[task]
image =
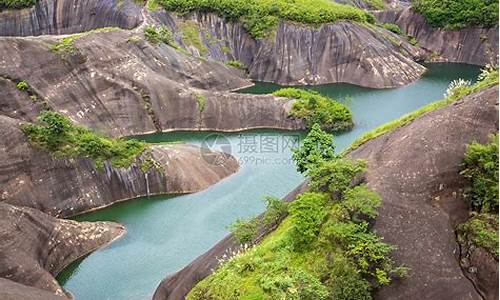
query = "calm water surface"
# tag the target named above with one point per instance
(165, 233)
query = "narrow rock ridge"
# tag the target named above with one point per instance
(69, 16)
(35, 247)
(421, 191)
(474, 45)
(346, 52)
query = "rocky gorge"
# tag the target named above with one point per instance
(90, 61)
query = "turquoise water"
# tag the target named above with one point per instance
(165, 233)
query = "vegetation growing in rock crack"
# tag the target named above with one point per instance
(324, 249)
(56, 134)
(22, 85)
(260, 17)
(314, 108)
(161, 34)
(456, 14)
(66, 45)
(191, 36)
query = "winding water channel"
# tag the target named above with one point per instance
(165, 233)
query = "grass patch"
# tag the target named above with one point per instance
(56, 134)
(393, 27)
(191, 36)
(236, 64)
(457, 14)
(261, 17)
(314, 108)
(486, 81)
(161, 34)
(66, 46)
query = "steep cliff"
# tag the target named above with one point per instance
(361, 54)
(35, 247)
(416, 171)
(69, 16)
(473, 45)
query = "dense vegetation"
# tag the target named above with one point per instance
(456, 14)
(259, 17)
(56, 133)
(323, 250)
(16, 4)
(481, 168)
(488, 78)
(314, 108)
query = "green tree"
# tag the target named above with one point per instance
(335, 176)
(316, 147)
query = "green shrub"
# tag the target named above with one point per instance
(236, 64)
(55, 133)
(162, 34)
(482, 230)
(22, 85)
(335, 176)
(317, 109)
(245, 230)
(344, 280)
(361, 203)
(393, 27)
(276, 209)
(481, 168)
(16, 4)
(456, 14)
(201, 101)
(316, 147)
(260, 17)
(308, 212)
(191, 36)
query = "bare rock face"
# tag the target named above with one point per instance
(35, 247)
(416, 169)
(10, 290)
(69, 16)
(342, 52)
(475, 45)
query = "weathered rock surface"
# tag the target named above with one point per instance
(342, 52)
(69, 16)
(178, 285)
(35, 247)
(121, 86)
(478, 46)
(10, 290)
(64, 187)
(416, 171)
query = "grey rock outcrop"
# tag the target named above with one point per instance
(10, 290)
(35, 247)
(347, 52)
(69, 16)
(474, 45)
